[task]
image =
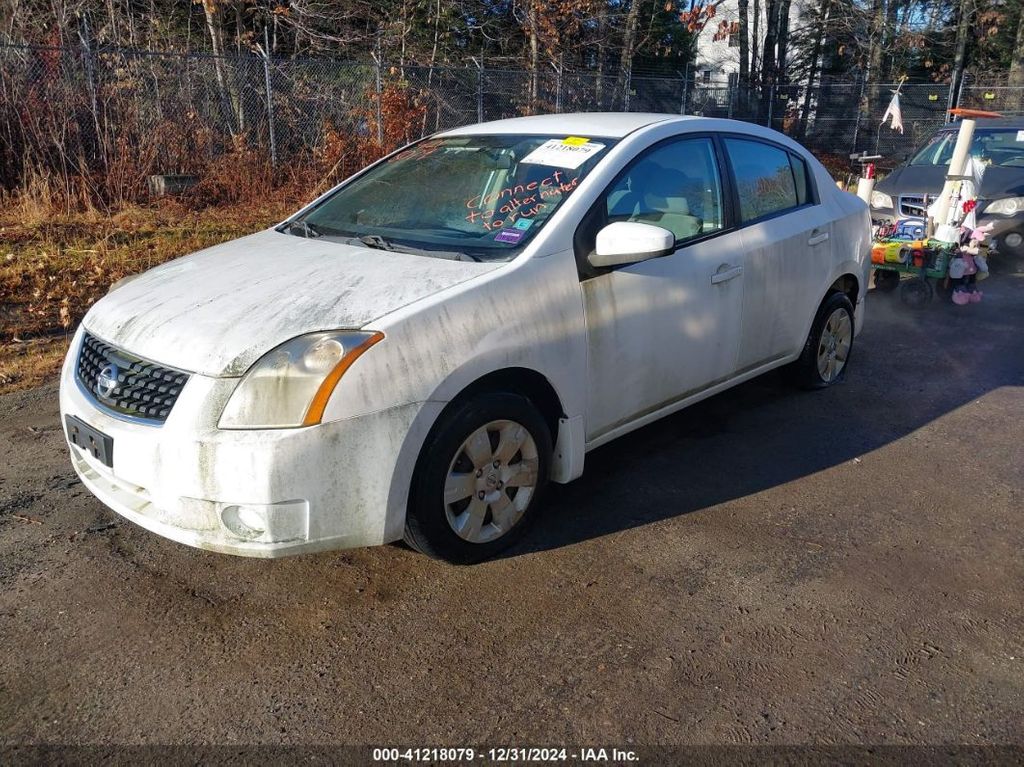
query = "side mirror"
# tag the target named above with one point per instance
(629, 242)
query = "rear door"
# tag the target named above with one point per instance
(787, 243)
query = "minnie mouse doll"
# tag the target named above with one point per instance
(969, 266)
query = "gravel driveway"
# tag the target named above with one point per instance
(767, 567)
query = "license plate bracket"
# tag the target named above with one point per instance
(99, 445)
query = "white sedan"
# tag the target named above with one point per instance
(418, 352)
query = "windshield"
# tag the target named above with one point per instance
(482, 197)
(1003, 147)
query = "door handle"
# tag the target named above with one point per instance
(817, 238)
(726, 273)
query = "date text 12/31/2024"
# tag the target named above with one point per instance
(504, 754)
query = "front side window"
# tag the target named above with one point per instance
(676, 186)
(481, 196)
(764, 178)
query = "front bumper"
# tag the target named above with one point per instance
(329, 485)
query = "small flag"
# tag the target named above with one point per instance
(894, 111)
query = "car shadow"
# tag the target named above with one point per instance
(909, 367)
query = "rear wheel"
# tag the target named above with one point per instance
(479, 479)
(827, 351)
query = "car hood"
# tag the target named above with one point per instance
(996, 182)
(217, 311)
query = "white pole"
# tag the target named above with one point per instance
(865, 186)
(957, 163)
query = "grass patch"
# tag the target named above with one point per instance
(53, 268)
(25, 365)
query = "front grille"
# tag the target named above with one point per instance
(913, 205)
(143, 389)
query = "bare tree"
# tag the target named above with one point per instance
(816, 47)
(1016, 77)
(782, 41)
(744, 33)
(627, 50)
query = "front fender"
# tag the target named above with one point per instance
(527, 315)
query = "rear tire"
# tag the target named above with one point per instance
(479, 479)
(826, 353)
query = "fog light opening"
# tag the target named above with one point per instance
(244, 521)
(270, 523)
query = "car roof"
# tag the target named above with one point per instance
(985, 122)
(607, 124)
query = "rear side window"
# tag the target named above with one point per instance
(765, 179)
(802, 178)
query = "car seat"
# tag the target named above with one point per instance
(666, 202)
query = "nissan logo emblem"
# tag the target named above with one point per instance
(106, 380)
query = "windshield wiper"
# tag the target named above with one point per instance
(377, 242)
(303, 228)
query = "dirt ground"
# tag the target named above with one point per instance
(767, 567)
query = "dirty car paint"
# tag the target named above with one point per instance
(217, 311)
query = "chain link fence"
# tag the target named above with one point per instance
(120, 114)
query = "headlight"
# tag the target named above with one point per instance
(880, 200)
(290, 385)
(1008, 206)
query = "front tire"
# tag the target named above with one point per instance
(826, 354)
(479, 479)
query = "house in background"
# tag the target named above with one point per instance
(718, 43)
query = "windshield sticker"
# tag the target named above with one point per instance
(508, 235)
(560, 154)
(1020, 135)
(575, 141)
(524, 223)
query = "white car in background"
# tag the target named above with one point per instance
(419, 351)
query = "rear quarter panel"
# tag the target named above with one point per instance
(852, 246)
(850, 252)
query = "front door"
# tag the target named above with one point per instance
(663, 329)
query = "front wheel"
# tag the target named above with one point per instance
(479, 479)
(827, 351)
